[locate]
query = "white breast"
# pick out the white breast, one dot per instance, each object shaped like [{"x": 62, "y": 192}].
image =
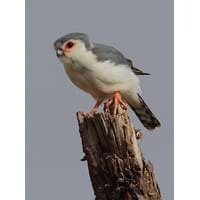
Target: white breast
[
  {"x": 101, "y": 79},
  {"x": 79, "y": 80}
]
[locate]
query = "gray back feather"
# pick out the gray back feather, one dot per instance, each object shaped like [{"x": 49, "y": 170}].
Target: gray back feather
[{"x": 105, "y": 52}]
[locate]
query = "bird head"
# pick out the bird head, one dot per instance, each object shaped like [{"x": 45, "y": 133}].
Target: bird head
[{"x": 72, "y": 47}]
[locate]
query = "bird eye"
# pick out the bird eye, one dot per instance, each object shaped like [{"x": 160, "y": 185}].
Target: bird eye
[{"x": 69, "y": 45}]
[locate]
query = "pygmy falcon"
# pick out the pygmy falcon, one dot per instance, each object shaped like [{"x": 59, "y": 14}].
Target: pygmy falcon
[{"x": 105, "y": 73}]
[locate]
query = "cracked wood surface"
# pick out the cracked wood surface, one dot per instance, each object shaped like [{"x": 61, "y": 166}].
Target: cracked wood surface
[{"x": 117, "y": 168}]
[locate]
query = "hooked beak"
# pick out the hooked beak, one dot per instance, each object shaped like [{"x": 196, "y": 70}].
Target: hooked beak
[{"x": 59, "y": 52}]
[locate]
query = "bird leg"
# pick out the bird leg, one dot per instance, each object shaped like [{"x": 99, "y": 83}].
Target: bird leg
[
  {"x": 115, "y": 101},
  {"x": 98, "y": 103}
]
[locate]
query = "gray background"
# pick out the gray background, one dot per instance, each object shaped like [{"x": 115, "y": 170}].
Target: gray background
[{"x": 142, "y": 30}]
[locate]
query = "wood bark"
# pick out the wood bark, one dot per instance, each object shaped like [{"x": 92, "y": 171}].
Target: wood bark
[{"x": 117, "y": 168}]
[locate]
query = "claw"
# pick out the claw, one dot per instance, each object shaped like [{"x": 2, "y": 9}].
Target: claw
[
  {"x": 95, "y": 108},
  {"x": 115, "y": 101}
]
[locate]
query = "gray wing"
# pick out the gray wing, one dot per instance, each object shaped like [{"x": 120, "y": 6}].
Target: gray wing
[
  {"x": 105, "y": 52},
  {"x": 136, "y": 70}
]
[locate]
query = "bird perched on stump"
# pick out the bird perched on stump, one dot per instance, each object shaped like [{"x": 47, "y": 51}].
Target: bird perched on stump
[{"x": 105, "y": 73}]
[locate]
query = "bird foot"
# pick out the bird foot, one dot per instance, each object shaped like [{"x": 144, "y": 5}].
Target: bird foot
[
  {"x": 114, "y": 102},
  {"x": 95, "y": 108}
]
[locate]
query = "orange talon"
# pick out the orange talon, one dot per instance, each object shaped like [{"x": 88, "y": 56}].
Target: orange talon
[
  {"x": 110, "y": 102},
  {"x": 116, "y": 100},
  {"x": 95, "y": 108}
]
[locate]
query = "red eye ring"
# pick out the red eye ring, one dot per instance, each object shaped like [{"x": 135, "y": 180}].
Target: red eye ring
[{"x": 69, "y": 45}]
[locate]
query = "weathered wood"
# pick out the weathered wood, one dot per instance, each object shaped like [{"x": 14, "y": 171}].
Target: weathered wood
[{"x": 117, "y": 168}]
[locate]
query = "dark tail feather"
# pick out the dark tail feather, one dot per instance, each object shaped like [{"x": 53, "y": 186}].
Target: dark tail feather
[{"x": 145, "y": 115}]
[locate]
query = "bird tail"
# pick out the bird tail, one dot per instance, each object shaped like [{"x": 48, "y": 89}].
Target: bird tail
[{"x": 144, "y": 114}]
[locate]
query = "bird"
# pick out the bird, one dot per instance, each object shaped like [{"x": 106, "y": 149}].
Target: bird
[{"x": 105, "y": 73}]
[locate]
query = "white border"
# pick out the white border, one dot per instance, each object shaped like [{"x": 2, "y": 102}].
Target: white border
[
  {"x": 12, "y": 103},
  {"x": 187, "y": 87},
  {"x": 187, "y": 99}
]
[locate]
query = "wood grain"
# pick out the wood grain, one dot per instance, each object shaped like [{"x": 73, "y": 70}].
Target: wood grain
[{"x": 117, "y": 168}]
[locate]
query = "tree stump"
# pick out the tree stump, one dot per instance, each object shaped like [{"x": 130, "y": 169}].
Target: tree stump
[{"x": 117, "y": 168}]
